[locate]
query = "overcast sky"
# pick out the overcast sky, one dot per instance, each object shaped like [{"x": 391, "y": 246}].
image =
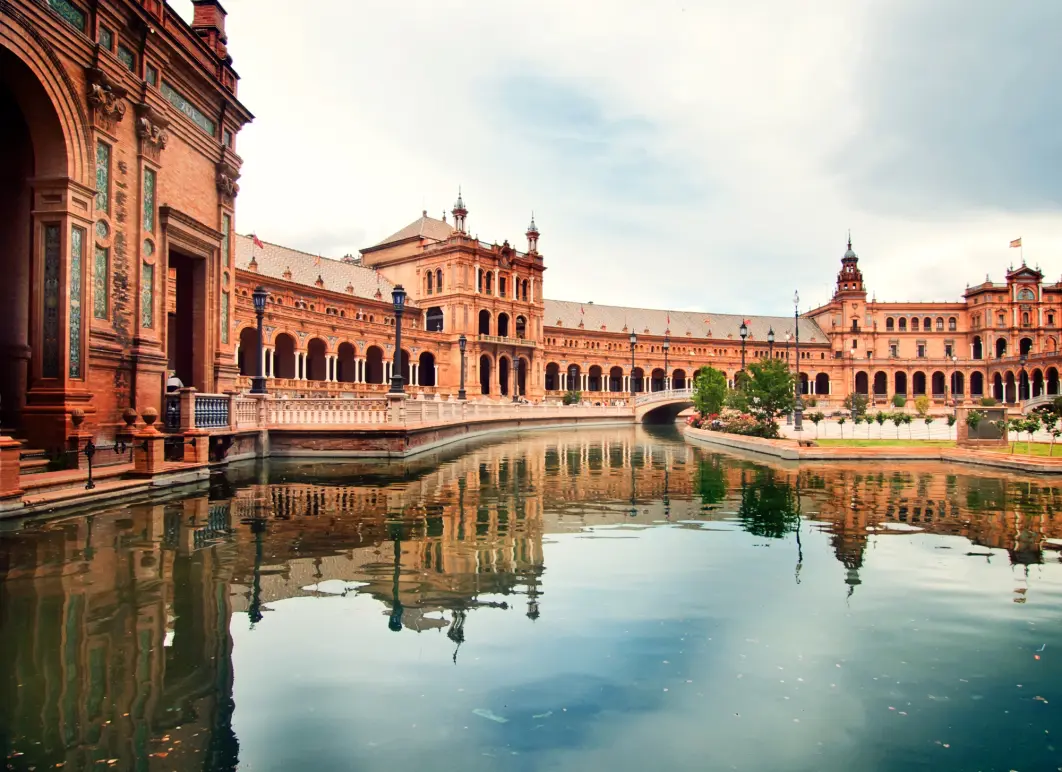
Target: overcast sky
[{"x": 707, "y": 155}]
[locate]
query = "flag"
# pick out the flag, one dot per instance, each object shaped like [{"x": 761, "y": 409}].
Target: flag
[
  {"x": 582, "y": 310},
  {"x": 669, "y": 319},
  {"x": 255, "y": 240},
  {"x": 1016, "y": 243}
]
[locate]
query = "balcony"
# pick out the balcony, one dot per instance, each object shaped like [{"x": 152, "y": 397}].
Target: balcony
[{"x": 503, "y": 341}]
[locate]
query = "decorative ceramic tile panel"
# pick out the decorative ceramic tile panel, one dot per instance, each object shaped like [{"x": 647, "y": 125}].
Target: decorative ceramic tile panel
[
  {"x": 186, "y": 107},
  {"x": 103, "y": 176},
  {"x": 147, "y": 297},
  {"x": 52, "y": 261},
  {"x": 100, "y": 270},
  {"x": 77, "y": 249},
  {"x": 149, "y": 200}
]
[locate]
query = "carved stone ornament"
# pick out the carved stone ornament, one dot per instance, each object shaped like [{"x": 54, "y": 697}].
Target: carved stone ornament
[
  {"x": 151, "y": 128},
  {"x": 106, "y": 97},
  {"x": 226, "y": 179}
]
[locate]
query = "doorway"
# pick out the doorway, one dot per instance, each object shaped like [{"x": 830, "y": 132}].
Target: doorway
[{"x": 186, "y": 320}]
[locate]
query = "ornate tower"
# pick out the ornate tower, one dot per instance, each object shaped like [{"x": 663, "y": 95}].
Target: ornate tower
[
  {"x": 532, "y": 237},
  {"x": 459, "y": 213},
  {"x": 850, "y": 278}
]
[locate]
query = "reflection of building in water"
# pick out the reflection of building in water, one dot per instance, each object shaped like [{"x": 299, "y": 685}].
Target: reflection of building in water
[{"x": 116, "y": 642}]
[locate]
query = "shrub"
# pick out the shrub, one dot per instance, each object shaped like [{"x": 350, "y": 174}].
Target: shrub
[
  {"x": 899, "y": 400},
  {"x": 856, "y": 403},
  {"x": 921, "y": 405},
  {"x": 974, "y": 418},
  {"x": 988, "y": 402},
  {"x": 572, "y": 397}
]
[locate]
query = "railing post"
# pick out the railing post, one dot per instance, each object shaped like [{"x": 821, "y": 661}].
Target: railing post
[
  {"x": 396, "y": 407},
  {"x": 187, "y": 399},
  {"x": 10, "y": 474},
  {"x": 149, "y": 446},
  {"x": 232, "y": 409}
]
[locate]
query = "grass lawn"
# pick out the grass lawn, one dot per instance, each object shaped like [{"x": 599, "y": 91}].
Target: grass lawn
[
  {"x": 1036, "y": 449},
  {"x": 857, "y": 443}
]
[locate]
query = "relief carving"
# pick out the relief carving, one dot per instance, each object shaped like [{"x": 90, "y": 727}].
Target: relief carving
[
  {"x": 226, "y": 180},
  {"x": 151, "y": 128},
  {"x": 107, "y": 100}
]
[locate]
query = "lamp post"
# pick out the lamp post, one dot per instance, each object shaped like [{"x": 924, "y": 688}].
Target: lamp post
[
  {"x": 461, "y": 343},
  {"x": 634, "y": 341},
  {"x": 258, "y": 382},
  {"x": 398, "y": 297},
  {"x": 798, "y": 406},
  {"x": 667, "y": 375},
  {"x": 743, "y": 331},
  {"x": 954, "y": 397},
  {"x": 770, "y": 343},
  {"x": 1022, "y": 376}
]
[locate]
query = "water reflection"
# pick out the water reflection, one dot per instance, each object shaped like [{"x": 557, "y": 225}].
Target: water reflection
[{"x": 119, "y": 628}]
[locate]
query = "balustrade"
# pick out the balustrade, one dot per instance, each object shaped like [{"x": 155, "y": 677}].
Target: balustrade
[{"x": 211, "y": 411}]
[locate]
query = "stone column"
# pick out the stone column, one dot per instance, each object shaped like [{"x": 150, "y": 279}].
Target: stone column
[{"x": 10, "y": 474}]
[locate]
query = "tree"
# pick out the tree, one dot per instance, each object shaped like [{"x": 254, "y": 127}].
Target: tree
[
  {"x": 768, "y": 507},
  {"x": 1051, "y": 423},
  {"x": 922, "y": 405},
  {"x": 1015, "y": 425},
  {"x": 840, "y": 424},
  {"x": 928, "y": 419},
  {"x": 815, "y": 418},
  {"x": 907, "y": 420},
  {"x": 856, "y": 403},
  {"x": 768, "y": 390},
  {"x": 709, "y": 391},
  {"x": 952, "y": 420},
  {"x": 897, "y": 419},
  {"x": 1031, "y": 425},
  {"x": 880, "y": 418},
  {"x": 899, "y": 400}
]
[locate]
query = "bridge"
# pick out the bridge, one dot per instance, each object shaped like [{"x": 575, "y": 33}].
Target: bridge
[
  {"x": 661, "y": 406},
  {"x": 1028, "y": 405}
]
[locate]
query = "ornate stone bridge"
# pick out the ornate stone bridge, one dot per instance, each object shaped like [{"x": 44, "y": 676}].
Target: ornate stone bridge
[{"x": 662, "y": 406}]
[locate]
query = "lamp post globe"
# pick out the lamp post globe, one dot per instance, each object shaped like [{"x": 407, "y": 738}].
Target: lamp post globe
[
  {"x": 461, "y": 343},
  {"x": 258, "y": 382},
  {"x": 398, "y": 297},
  {"x": 634, "y": 342},
  {"x": 770, "y": 342}
]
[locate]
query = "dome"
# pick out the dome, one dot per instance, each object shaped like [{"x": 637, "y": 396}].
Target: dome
[
  {"x": 532, "y": 228},
  {"x": 850, "y": 254},
  {"x": 459, "y": 205}
]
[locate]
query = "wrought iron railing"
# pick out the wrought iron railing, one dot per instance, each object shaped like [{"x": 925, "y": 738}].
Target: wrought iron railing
[{"x": 172, "y": 412}]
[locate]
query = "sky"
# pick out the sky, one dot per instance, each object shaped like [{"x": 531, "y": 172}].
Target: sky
[{"x": 686, "y": 155}]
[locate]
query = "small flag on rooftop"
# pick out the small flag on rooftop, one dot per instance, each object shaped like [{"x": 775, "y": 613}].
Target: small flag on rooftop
[
  {"x": 317, "y": 260},
  {"x": 257, "y": 242},
  {"x": 1015, "y": 243}
]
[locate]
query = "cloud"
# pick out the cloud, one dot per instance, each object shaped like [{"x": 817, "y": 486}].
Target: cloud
[{"x": 704, "y": 155}]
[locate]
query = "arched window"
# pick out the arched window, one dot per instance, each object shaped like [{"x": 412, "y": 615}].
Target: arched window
[
  {"x": 927, "y": 324},
  {"x": 430, "y": 282},
  {"x": 438, "y": 280},
  {"x": 484, "y": 322},
  {"x": 521, "y": 327},
  {"x": 889, "y": 323},
  {"x": 1025, "y": 318},
  {"x": 953, "y": 324},
  {"x": 1026, "y": 294},
  {"x": 914, "y": 324},
  {"x": 940, "y": 324},
  {"x": 903, "y": 325},
  {"x": 434, "y": 319}
]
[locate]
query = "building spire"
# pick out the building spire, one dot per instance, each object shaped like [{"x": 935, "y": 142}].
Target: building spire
[
  {"x": 532, "y": 236},
  {"x": 459, "y": 212}
]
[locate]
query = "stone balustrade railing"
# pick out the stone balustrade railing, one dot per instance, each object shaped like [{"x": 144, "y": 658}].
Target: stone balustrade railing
[{"x": 326, "y": 412}]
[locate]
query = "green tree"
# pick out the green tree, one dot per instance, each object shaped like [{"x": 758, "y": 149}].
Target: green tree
[
  {"x": 1031, "y": 425},
  {"x": 768, "y": 507},
  {"x": 816, "y": 418},
  {"x": 1050, "y": 421},
  {"x": 881, "y": 418},
  {"x": 1016, "y": 426},
  {"x": 897, "y": 419},
  {"x": 899, "y": 400},
  {"x": 928, "y": 419},
  {"x": 768, "y": 390},
  {"x": 922, "y": 405},
  {"x": 709, "y": 391},
  {"x": 952, "y": 420},
  {"x": 856, "y": 403},
  {"x": 907, "y": 420},
  {"x": 840, "y": 424}
]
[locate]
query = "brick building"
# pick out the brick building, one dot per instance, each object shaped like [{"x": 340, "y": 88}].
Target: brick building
[{"x": 117, "y": 188}]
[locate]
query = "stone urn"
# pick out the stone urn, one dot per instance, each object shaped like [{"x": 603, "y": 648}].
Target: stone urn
[
  {"x": 150, "y": 415},
  {"x": 77, "y": 417},
  {"x": 129, "y": 416}
]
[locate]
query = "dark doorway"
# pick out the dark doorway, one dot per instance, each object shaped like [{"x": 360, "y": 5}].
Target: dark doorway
[{"x": 186, "y": 322}]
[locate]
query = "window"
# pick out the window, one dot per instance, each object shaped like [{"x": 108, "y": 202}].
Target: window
[
  {"x": 226, "y": 229},
  {"x": 151, "y": 74},
  {"x": 127, "y": 57},
  {"x": 927, "y": 324},
  {"x": 106, "y": 38},
  {"x": 1001, "y": 319},
  {"x": 1050, "y": 318},
  {"x": 226, "y": 138},
  {"x": 1026, "y": 294},
  {"x": 921, "y": 350},
  {"x": 149, "y": 200},
  {"x": 953, "y": 324},
  {"x": 903, "y": 325},
  {"x": 914, "y": 325},
  {"x": 1024, "y": 318},
  {"x": 103, "y": 177},
  {"x": 69, "y": 12},
  {"x": 194, "y": 113},
  {"x": 100, "y": 269},
  {"x": 889, "y": 323},
  {"x": 501, "y": 286},
  {"x": 940, "y": 324},
  {"x": 948, "y": 350},
  {"x": 225, "y": 317}
]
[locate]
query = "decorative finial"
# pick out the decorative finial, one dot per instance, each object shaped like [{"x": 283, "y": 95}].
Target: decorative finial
[{"x": 849, "y": 238}]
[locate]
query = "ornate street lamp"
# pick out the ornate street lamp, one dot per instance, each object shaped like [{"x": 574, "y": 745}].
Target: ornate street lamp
[
  {"x": 398, "y": 297},
  {"x": 667, "y": 375},
  {"x": 461, "y": 343},
  {"x": 1023, "y": 378},
  {"x": 770, "y": 343},
  {"x": 634, "y": 341},
  {"x": 258, "y": 382},
  {"x": 798, "y": 407},
  {"x": 743, "y": 331}
]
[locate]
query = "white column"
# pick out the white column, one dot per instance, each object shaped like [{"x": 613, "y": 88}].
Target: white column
[
  {"x": 414, "y": 373},
  {"x": 236, "y": 354},
  {"x": 436, "y": 376}
]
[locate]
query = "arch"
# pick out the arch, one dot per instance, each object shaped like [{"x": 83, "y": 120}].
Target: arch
[
  {"x": 284, "y": 356},
  {"x": 938, "y": 383},
  {"x": 805, "y": 387},
  {"x": 438, "y": 280},
  {"x": 484, "y": 372},
  {"x": 1025, "y": 346},
  {"x": 594, "y": 380},
  {"x": 429, "y": 280},
  {"x": 678, "y": 379},
  {"x": 316, "y": 362},
  {"x": 426, "y": 369},
  {"x": 488, "y": 282},
  {"x": 657, "y": 379},
  {"x": 862, "y": 382},
  {"x": 248, "y": 357},
  {"x": 914, "y": 324},
  {"x": 552, "y": 379},
  {"x": 637, "y": 380},
  {"x": 404, "y": 360},
  {"x": 1023, "y": 385},
  {"x": 899, "y": 383},
  {"x": 572, "y": 380},
  {"x": 881, "y": 383},
  {"x": 346, "y": 366},
  {"x": 903, "y": 324},
  {"x": 503, "y": 325},
  {"x": 521, "y": 327},
  {"x": 940, "y": 324},
  {"x": 374, "y": 367},
  {"x": 953, "y": 324},
  {"x": 822, "y": 383},
  {"x": 1051, "y": 345},
  {"x": 1037, "y": 383},
  {"x": 615, "y": 379},
  {"x": 522, "y": 368},
  {"x": 1024, "y": 318},
  {"x": 1001, "y": 348},
  {"x": 1010, "y": 392},
  {"x": 1052, "y": 380},
  {"x": 978, "y": 348},
  {"x": 927, "y": 324},
  {"x": 890, "y": 324},
  {"x": 504, "y": 375},
  {"x": 918, "y": 383},
  {"x": 484, "y": 322},
  {"x": 433, "y": 319},
  {"x": 958, "y": 384},
  {"x": 997, "y": 387},
  {"x": 977, "y": 383}
]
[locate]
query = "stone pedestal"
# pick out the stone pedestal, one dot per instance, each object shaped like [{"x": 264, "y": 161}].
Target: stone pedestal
[
  {"x": 396, "y": 408},
  {"x": 187, "y": 398},
  {"x": 149, "y": 451},
  {"x": 10, "y": 474},
  {"x": 197, "y": 452},
  {"x": 75, "y": 448}
]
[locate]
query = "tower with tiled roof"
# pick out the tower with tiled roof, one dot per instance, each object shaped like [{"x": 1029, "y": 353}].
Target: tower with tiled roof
[{"x": 459, "y": 213}]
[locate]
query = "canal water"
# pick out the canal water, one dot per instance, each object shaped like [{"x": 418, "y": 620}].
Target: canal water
[{"x": 606, "y": 599}]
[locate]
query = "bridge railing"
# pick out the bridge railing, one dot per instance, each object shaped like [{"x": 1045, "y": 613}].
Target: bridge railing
[{"x": 665, "y": 395}]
